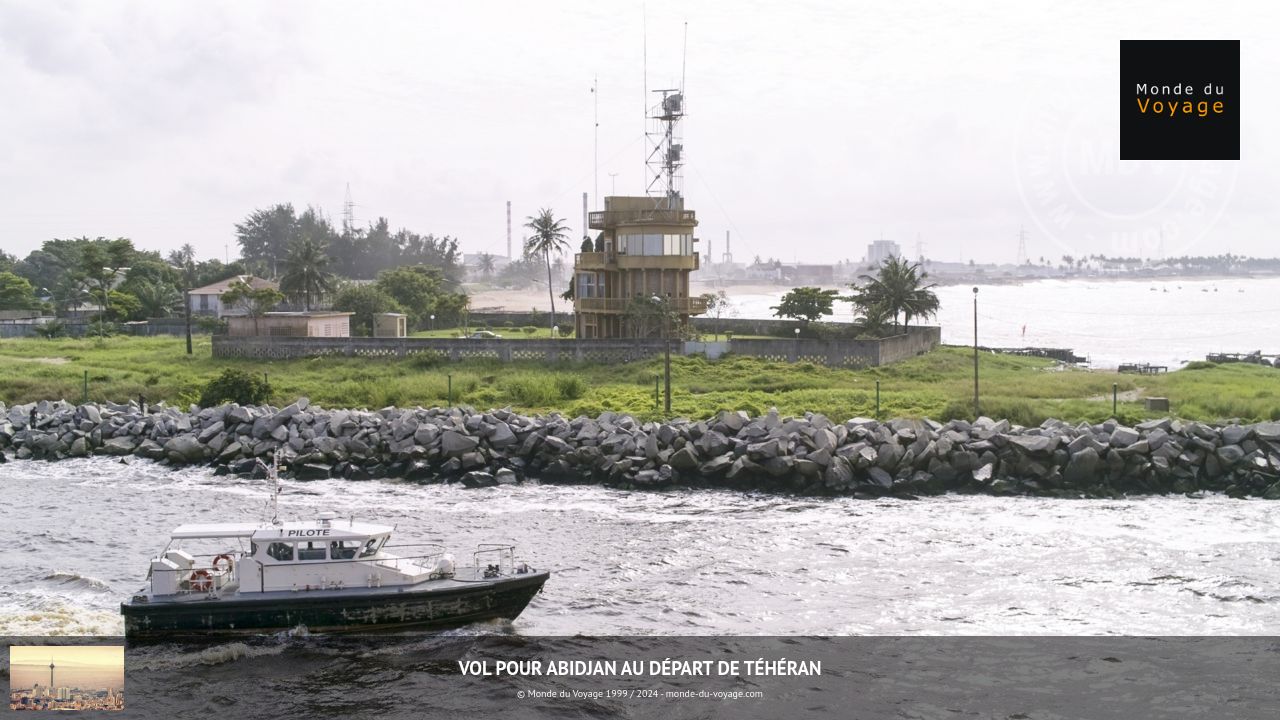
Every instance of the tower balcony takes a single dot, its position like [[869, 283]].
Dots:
[[680, 305], [615, 261]]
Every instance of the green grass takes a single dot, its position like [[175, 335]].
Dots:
[[937, 385]]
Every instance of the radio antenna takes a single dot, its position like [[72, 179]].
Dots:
[[684, 55]]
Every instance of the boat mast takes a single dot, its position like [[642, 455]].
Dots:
[[274, 475]]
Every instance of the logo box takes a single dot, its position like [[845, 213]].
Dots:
[[1179, 99]]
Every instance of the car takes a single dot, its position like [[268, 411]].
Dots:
[[484, 335]]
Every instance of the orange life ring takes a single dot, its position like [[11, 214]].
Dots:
[[220, 558], [201, 581]]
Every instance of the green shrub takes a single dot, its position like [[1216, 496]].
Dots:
[[528, 330], [50, 330], [236, 386], [211, 325], [570, 387], [1200, 365], [101, 328]]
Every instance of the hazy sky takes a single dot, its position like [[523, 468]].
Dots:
[[813, 127], [89, 667]]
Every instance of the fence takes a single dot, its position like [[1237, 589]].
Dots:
[[80, 329], [280, 348], [836, 353]]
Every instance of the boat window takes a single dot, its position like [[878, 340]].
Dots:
[[371, 547], [310, 552], [343, 549], [280, 551]]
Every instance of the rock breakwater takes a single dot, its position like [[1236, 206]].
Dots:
[[810, 454]]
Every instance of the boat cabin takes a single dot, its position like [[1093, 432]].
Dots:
[[325, 553]]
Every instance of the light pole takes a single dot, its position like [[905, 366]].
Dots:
[[796, 347], [976, 413], [666, 353], [433, 323]]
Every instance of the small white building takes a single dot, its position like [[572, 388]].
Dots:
[[292, 324], [207, 300]]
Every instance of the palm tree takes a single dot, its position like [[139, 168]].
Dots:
[[549, 235], [159, 300], [896, 290], [182, 257], [306, 272], [486, 264]]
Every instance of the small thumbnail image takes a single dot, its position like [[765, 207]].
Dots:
[[66, 677]]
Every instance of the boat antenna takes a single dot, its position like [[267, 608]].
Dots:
[[274, 475]]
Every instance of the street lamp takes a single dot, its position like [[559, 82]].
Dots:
[[976, 413], [666, 353], [796, 347], [433, 323]]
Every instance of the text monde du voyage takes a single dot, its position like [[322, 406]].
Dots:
[[1180, 100]]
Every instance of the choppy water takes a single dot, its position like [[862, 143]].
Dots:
[[1163, 322], [79, 533]]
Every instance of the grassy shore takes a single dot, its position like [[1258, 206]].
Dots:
[[937, 385]]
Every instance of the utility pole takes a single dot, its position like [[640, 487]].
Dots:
[[509, 256], [976, 412], [187, 313], [664, 304]]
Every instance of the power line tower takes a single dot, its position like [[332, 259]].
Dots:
[[919, 249], [1022, 246], [348, 213], [727, 258]]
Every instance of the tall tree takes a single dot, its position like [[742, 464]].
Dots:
[[806, 304], [183, 256], [549, 236], [718, 306], [306, 271], [100, 269], [7, 261], [366, 301], [898, 288], [157, 300], [421, 291], [264, 236], [486, 264], [16, 293]]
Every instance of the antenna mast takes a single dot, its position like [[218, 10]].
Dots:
[[348, 213], [595, 96]]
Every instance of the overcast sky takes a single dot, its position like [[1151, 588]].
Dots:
[[813, 127]]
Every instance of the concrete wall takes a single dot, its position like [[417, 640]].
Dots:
[[280, 348]]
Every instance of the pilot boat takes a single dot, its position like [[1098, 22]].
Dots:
[[327, 574]]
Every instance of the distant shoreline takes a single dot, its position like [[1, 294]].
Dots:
[[498, 300]]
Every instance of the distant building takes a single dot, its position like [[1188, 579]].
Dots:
[[647, 251], [798, 274], [207, 300], [292, 324], [769, 270], [880, 250], [390, 325]]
